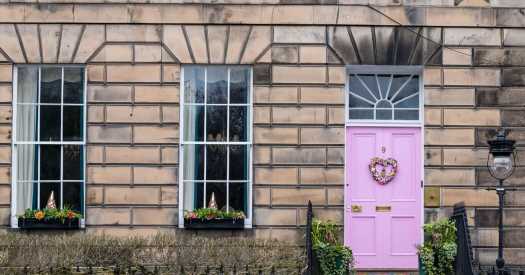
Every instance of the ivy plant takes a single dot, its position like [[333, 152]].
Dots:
[[334, 258], [439, 249]]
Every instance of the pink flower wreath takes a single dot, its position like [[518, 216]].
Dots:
[[382, 176]]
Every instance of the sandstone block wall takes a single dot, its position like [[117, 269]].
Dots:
[[473, 52]]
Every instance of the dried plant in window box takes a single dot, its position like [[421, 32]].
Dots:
[[49, 218], [211, 218]]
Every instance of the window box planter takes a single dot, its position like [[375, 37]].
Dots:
[[226, 223], [32, 223]]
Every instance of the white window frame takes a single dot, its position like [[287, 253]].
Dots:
[[14, 142], [248, 143], [378, 69]]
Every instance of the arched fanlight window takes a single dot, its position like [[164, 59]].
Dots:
[[383, 97]]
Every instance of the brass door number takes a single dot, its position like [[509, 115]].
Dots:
[[357, 208], [383, 208]]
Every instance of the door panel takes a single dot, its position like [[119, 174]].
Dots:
[[383, 222], [363, 227]]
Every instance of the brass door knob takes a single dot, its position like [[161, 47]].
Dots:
[[356, 208]]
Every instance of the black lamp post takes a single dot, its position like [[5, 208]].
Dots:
[[501, 163]]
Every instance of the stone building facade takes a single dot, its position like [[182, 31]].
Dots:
[[473, 53]]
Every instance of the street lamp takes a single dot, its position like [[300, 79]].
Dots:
[[501, 163]]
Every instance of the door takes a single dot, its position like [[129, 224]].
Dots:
[[383, 221]]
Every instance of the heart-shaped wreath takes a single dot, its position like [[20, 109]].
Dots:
[[387, 171]]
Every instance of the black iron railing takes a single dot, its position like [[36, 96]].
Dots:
[[308, 238], [464, 258], [464, 264], [312, 265]]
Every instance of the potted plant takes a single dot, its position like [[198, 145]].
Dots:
[[439, 249], [212, 218], [334, 258], [49, 218]]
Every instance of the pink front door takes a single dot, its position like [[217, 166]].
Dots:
[[383, 222]]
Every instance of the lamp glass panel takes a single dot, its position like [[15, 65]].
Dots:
[[501, 167]]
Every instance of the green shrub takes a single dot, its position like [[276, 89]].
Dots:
[[439, 249], [169, 251], [333, 256]]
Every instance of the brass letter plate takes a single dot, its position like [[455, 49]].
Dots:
[[356, 208], [383, 208]]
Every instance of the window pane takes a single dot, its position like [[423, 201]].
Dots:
[[238, 123], [411, 88], [406, 114], [218, 189], [238, 197], [193, 195], [73, 123], [361, 114], [384, 82], [73, 195], [193, 162], [355, 86], [412, 102], [217, 89], [51, 83], [239, 163], [216, 123], [193, 123], [49, 123], [73, 162], [384, 114], [358, 102], [216, 162], [73, 85], [26, 162], [45, 193], [27, 85], [26, 196], [26, 122], [397, 83], [49, 162], [239, 81], [384, 104], [194, 84], [370, 82]]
